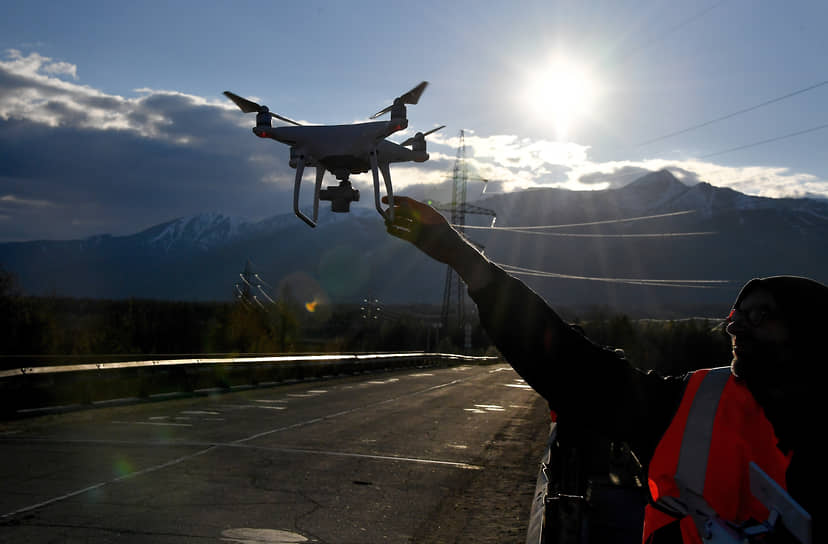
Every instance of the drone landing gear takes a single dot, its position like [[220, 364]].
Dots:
[[300, 170], [386, 176], [342, 195], [339, 196]]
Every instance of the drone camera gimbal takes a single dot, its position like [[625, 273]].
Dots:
[[340, 196]]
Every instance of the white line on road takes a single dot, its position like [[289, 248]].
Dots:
[[236, 443], [102, 484], [213, 445], [345, 412], [158, 423]]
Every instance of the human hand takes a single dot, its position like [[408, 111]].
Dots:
[[424, 227]]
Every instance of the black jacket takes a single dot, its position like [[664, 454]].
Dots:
[[593, 387]]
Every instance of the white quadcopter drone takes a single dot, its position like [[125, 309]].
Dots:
[[343, 150]]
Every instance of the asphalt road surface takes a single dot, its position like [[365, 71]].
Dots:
[[430, 455]]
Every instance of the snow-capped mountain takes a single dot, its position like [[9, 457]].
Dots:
[[733, 237], [204, 231]]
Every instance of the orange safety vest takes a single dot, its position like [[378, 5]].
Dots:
[[718, 430]]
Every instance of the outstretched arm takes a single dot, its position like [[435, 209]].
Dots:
[[582, 381]]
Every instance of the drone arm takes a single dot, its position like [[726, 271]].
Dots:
[[300, 169]]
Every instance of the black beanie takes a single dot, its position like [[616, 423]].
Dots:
[[803, 306]]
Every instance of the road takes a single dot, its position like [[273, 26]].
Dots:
[[428, 455]]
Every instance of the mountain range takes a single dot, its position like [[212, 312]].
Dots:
[[349, 257]]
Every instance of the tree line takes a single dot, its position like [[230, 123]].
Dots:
[[48, 329]]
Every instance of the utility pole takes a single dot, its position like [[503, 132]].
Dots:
[[454, 288]]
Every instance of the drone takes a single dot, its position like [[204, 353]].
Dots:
[[343, 150]]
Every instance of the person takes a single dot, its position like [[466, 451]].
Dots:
[[763, 408]]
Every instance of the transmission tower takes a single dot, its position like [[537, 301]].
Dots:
[[454, 289], [252, 286]]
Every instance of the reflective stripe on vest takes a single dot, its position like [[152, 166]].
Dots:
[[698, 432]]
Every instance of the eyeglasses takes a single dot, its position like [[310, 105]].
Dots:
[[754, 316]]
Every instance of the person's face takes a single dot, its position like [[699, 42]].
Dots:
[[759, 338]]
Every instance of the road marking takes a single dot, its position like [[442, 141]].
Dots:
[[518, 385], [215, 445], [240, 443], [102, 484], [383, 382], [158, 423], [465, 466], [349, 411], [246, 535], [490, 407]]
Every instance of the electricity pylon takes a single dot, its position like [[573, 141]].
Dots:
[[454, 288]]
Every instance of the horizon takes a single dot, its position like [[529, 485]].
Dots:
[[362, 206]]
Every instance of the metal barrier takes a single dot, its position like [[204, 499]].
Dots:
[[35, 388]]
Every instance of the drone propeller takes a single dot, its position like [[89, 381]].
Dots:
[[244, 104], [411, 97], [421, 135], [248, 106]]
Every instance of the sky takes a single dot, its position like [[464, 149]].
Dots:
[[112, 117]]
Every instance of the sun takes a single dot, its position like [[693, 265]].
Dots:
[[560, 92]]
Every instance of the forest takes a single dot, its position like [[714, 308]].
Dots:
[[55, 330]]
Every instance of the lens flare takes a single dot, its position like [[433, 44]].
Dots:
[[122, 467]]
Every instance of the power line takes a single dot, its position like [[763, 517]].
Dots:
[[670, 31], [589, 224], [695, 284], [769, 140], [599, 235], [735, 113]]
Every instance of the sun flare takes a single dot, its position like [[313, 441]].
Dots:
[[560, 93]]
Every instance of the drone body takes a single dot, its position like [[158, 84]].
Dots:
[[343, 150]]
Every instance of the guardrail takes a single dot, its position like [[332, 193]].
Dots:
[[62, 387]]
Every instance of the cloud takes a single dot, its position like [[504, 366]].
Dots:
[[78, 161], [61, 68], [11, 200], [110, 164], [614, 179], [512, 163]]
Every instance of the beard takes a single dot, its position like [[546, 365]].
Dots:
[[780, 389], [758, 368]]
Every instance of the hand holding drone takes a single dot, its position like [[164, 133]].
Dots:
[[424, 227], [429, 231], [343, 150]]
